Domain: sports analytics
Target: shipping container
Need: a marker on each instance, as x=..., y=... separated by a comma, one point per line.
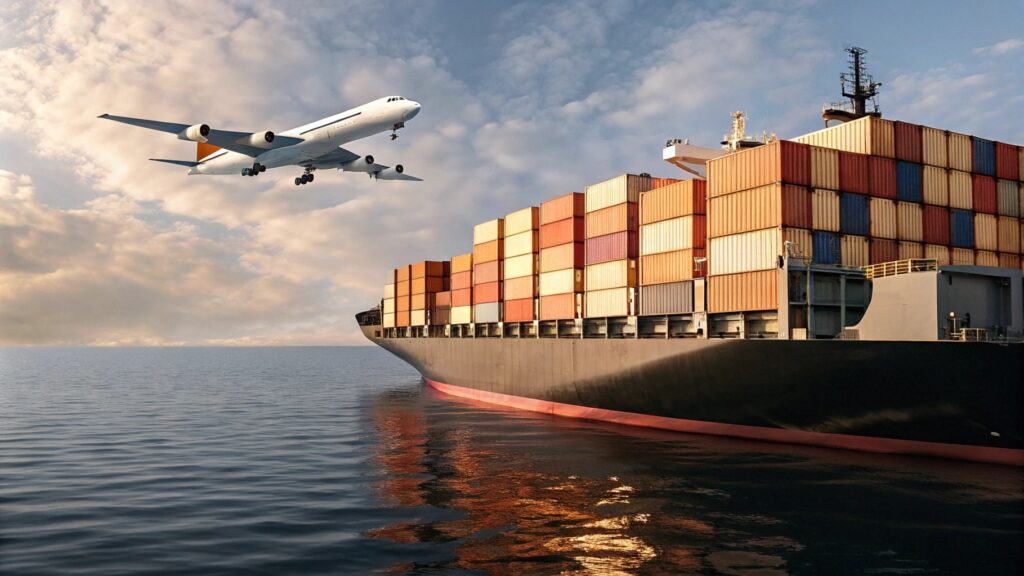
x=854, y=251
x=561, y=282
x=1009, y=234
x=826, y=247
x=868, y=135
x=389, y=291
x=427, y=284
x=882, y=177
x=1009, y=261
x=938, y=253
x=934, y=149
x=390, y=276
x=908, y=181
x=961, y=190
x=1007, y=162
x=854, y=174
x=1008, y=198
x=780, y=161
x=488, y=231
x=519, y=288
x=462, y=280
x=617, y=218
x=612, y=247
x=520, y=310
x=961, y=228
x=747, y=252
x=935, y=186
x=527, y=242
x=614, y=274
x=983, y=156
x=657, y=182
x=768, y=206
x=463, y=297
x=402, y=274
x=462, y=263
x=402, y=303
x=749, y=291
x=488, y=252
x=675, y=234
x=825, y=206
x=801, y=243
x=428, y=268
x=419, y=301
x=854, y=215
x=911, y=250
x=673, y=201
x=403, y=288
x=986, y=232
x=883, y=218
x=562, y=257
x=883, y=250
x=618, y=190
x=462, y=314
x=483, y=293
x=389, y=306
x=560, y=306
x=486, y=272
x=909, y=222
x=487, y=312
x=960, y=152
x=1020, y=164
x=388, y=320
x=418, y=317
x=519, y=266
x=935, y=225
x=986, y=258
x=609, y=303
x=1020, y=192
x=443, y=299
x=666, y=299
x=961, y=256
x=824, y=168
x=983, y=194
x=402, y=318
x=571, y=205
x=562, y=232
x=907, y=138
x=441, y=316
x=522, y=221
x=672, y=266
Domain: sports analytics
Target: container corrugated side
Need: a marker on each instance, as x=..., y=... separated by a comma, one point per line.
x=561, y=257
x=908, y=181
x=883, y=250
x=1008, y=198
x=758, y=208
x=961, y=256
x=959, y=152
x=868, y=135
x=462, y=315
x=522, y=221
x=671, y=266
x=462, y=263
x=935, y=186
x=911, y=250
x=624, y=188
x=1009, y=260
x=402, y=288
x=1020, y=191
x=519, y=266
x=909, y=224
x=614, y=274
x=671, y=298
x=854, y=173
x=562, y=232
x=389, y=306
x=678, y=199
x=417, y=317
x=935, y=225
x=427, y=284
x=780, y=161
x=934, y=149
x=388, y=320
x=487, y=312
x=519, y=288
x=561, y=306
x=402, y=318
x=486, y=272
x=883, y=218
x=801, y=240
x=608, y=303
x=483, y=293
x=402, y=274
x=519, y=310
x=527, y=242
x=854, y=214
x=1009, y=234
x=462, y=297
x=462, y=280
x=983, y=194
x=1007, y=162
x=488, y=231
x=675, y=234
x=612, y=219
x=986, y=232
x=907, y=138
x=882, y=177
x=747, y=252
x=983, y=156
x=827, y=247
x=854, y=250
x=571, y=205
x=1020, y=163
x=825, y=207
x=612, y=247
x=426, y=268
x=749, y=291
x=443, y=299
x=938, y=253
x=824, y=168
x=561, y=282
x=961, y=228
x=986, y=258
x=961, y=190
x=440, y=317
x=488, y=252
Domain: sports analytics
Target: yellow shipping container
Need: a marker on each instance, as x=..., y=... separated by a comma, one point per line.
x=824, y=168
x=883, y=218
x=938, y=253
x=1009, y=234
x=614, y=274
x=669, y=267
x=519, y=266
x=522, y=220
x=462, y=315
x=606, y=303
x=961, y=256
x=910, y=221
x=389, y=305
x=986, y=232
x=389, y=291
x=933, y=147
x=561, y=282
x=747, y=252
x=986, y=258
x=418, y=318
x=868, y=135
x=854, y=251
x=462, y=263
x=960, y=149
x=625, y=188
x=526, y=242
x=669, y=235
x=935, y=186
x=960, y=190
x=911, y=250
x=388, y=320
x=489, y=231
x=825, y=210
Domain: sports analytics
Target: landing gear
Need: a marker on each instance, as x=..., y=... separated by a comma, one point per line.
x=305, y=178
x=255, y=170
x=394, y=136
x=394, y=130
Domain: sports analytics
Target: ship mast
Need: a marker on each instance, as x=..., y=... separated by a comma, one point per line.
x=858, y=87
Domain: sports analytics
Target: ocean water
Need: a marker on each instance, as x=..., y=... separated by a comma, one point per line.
x=338, y=461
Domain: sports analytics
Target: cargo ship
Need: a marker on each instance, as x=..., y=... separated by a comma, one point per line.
x=859, y=287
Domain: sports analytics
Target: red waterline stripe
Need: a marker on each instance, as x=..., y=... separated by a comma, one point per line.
x=987, y=454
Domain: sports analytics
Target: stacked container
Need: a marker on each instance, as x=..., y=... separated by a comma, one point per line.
x=612, y=245
x=522, y=245
x=673, y=230
x=388, y=311
x=428, y=278
x=462, y=289
x=562, y=234
x=488, y=252
x=403, y=286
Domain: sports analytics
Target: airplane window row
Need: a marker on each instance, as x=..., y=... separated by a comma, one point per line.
x=395, y=98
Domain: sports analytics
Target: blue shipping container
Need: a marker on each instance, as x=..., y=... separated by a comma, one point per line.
x=984, y=156
x=825, y=247
x=908, y=182
x=854, y=215
x=961, y=228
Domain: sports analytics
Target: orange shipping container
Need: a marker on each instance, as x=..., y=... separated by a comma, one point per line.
x=764, y=207
x=854, y=251
x=488, y=252
x=868, y=135
x=935, y=184
x=617, y=218
x=462, y=280
x=566, y=206
x=402, y=303
x=462, y=263
x=749, y=291
x=562, y=257
x=934, y=147
x=403, y=288
x=679, y=199
x=910, y=221
x=462, y=297
x=427, y=284
x=961, y=188
x=522, y=287
x=562, y=232
x=402, y=318
x=824, y=168
x=883, y=218
x=938, y=253
x=986, y=232
x=428, y=268
x=519, y=310
x=780, y=161
x=484, y=293
x=486, y=273
x=961, y=256
x=671, y=266
x=911, y=250
x=960, y=152
x=560, y=307
x=402, y=273
x=1009, y=234
x=1009, y=260
x=422, y=301
x=825, y=206
x=986, y=258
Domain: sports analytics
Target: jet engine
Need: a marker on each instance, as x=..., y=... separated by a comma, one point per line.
x=197, y=133
x=391, y=173
x=258, y=139
x=364, y=164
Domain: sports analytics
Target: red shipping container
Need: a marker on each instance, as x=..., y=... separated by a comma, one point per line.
x=936, y=225
x=854, y=173
x=883, y=250
x=462, y=280
x=908, y=142
x=566, y=206
x=616, y=246
x=486, y=273
x=1007, y=162
x=562, y=232
x=558, y=307
x=462, y=297
x=519, y=310
x=882, y=175
x=983, y=193
x=443, y=299
x=484, y=293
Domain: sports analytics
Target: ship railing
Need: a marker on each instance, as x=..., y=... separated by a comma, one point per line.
x=898, y=267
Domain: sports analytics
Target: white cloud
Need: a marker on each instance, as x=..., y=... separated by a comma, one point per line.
x=1001, y=48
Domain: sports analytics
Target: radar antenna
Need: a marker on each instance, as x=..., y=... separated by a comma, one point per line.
x=859, y=88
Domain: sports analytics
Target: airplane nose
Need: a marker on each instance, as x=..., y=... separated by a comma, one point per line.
x=413, y=110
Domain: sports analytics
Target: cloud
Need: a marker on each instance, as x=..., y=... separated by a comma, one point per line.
x=1001, y=48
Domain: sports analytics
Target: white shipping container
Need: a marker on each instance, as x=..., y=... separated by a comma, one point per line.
x=519, y=266
x=488, y=231
x=853, y=251
x=883, y=218
x=607, y=303
x=667, y=236
x=389, y=320
x=389, y=291
x=521, y=243
x=561, y=282
x=486, y=313
x=747, y=252
x=614, y=274
x=389, y=305
x=462, y=314
x=625, y=188
x=418, y=318
x=522, y=220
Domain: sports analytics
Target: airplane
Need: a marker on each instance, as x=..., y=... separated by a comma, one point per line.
x=313, y=146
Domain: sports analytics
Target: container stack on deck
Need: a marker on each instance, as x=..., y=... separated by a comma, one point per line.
x=388, y=311
x=427, y=279
x=488, y=252
x=562, y=261
x=403, y=285
x=672, y=235
x=462, y=289
x=522, y=245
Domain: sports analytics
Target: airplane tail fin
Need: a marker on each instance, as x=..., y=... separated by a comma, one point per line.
x=203, y=150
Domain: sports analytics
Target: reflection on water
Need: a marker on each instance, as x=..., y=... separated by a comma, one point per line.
x=531, y=494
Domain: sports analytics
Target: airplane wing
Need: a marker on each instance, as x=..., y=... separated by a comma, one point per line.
x=234, y=141
x=185, y=163
x=339, y=157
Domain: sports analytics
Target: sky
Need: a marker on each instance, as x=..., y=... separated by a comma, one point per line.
x=521, y=102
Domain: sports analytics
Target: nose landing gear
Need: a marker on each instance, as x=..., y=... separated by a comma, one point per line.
x=394, y=130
